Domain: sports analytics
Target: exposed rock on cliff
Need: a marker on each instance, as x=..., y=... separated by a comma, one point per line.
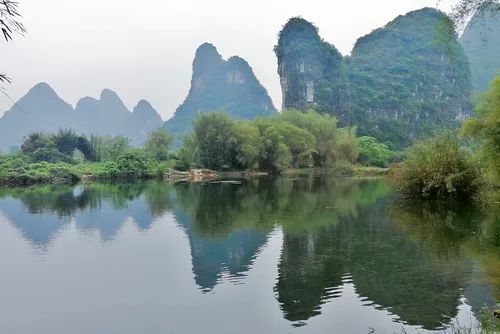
x=311, y=70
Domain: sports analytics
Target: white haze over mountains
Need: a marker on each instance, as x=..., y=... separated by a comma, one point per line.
x=144, y=49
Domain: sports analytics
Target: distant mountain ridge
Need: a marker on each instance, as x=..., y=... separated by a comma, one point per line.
x=42, y=110
x=481, y=41
x=220, y=85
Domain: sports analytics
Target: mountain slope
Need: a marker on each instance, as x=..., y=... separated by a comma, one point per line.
x=409, y=79
x=311, y=70
x=42, y=110
x=220, y=85
x=403, y=81
x=481, y=41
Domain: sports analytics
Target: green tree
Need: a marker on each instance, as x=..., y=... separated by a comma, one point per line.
x=109, y=148
x=66, y=141
x=248, y=145
x=134, y=164
x=35, y=141
x=188, y=153
x=373, y=153
x=299, y=141
x=158, y=144
x=275, y=155
x=346, y=145
x=485, y=128
x=50, y=154
x=83, y=145
x=324, y=129
x=214, y=138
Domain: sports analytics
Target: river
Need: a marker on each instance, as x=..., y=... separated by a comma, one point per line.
x=309, y=254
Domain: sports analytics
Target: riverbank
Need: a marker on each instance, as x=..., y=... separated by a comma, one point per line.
x=19, y=171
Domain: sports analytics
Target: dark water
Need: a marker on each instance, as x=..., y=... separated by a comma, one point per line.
x=305, y=255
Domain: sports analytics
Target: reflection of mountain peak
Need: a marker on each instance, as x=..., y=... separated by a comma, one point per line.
x=39, y=214
x=232, y=254
x=386, y=268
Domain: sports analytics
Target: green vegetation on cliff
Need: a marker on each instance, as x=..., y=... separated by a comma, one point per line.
x=409, y=79
x=405, y=81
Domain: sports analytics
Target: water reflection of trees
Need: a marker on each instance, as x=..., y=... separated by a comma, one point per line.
x=413, y=260
x=453, y=232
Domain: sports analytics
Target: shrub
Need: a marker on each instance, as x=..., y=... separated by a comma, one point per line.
x=438, y=168
x=19, y=171
x=132, y=165
x=373, y=153
x=50, y=154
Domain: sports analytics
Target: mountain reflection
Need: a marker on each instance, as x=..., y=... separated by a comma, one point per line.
x=40, y=212
x=415, y=261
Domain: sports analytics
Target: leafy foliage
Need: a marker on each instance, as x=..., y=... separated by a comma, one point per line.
x=373, y=153
x=18, y=170
x=485, y=128
x=438, y=168
x=158, y=144
x=324, y=129
x=35, y=141
x=291, y=139
x=214, y=137
x=131, y=165
x=248, y=145
x=56, y=147
x=109, y=148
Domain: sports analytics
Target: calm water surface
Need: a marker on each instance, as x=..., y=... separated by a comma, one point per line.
x=290, y=255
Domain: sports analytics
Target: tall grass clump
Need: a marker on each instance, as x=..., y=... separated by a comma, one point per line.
x=438, y=168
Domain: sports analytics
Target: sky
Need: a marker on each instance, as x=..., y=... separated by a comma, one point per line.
x=144, y=49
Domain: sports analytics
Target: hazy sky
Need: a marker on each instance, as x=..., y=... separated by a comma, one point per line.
x=144, y=49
